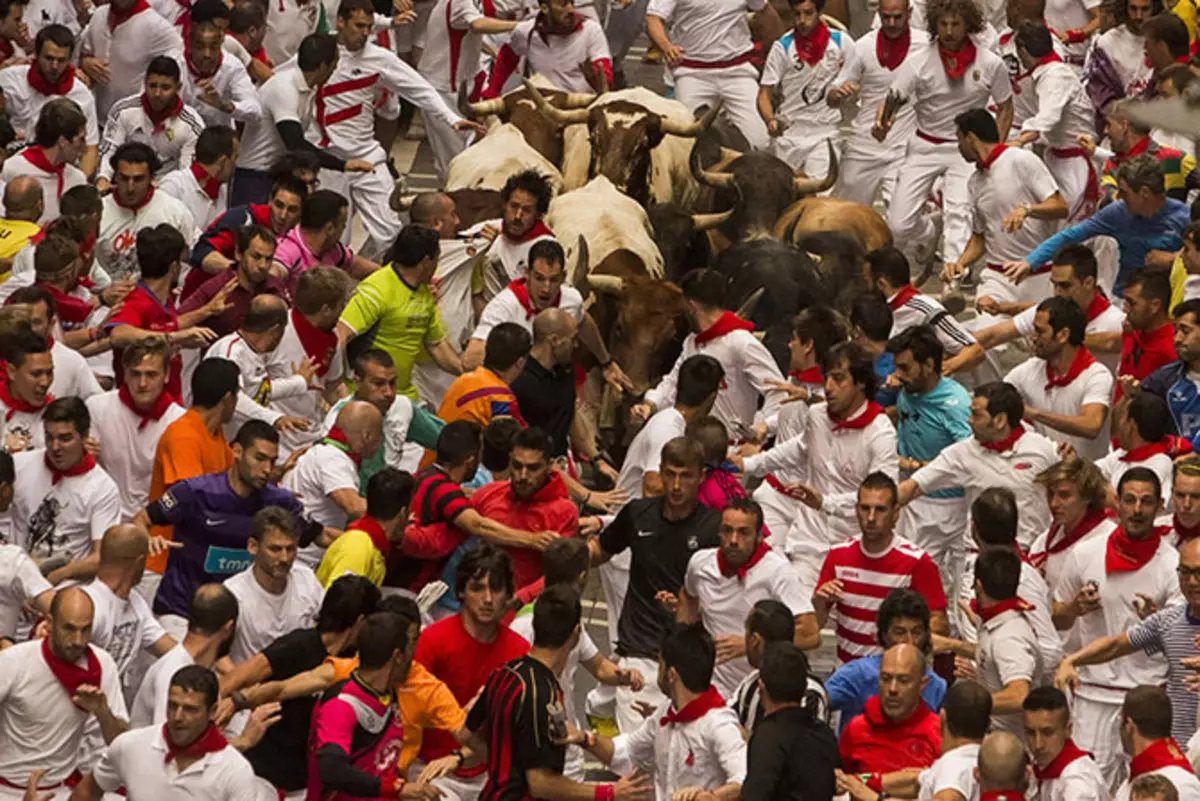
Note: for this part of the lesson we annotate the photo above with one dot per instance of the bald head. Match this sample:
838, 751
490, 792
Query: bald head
434, 210
71, 614
123, 544
23, 198
1189, 553
264, 313
1002, 763
362, 423
553, 322
901, 679
904, 658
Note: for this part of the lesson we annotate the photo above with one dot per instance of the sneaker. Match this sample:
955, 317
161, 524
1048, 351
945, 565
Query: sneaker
605, 727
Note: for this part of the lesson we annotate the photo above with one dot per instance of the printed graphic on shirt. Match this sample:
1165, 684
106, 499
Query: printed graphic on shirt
43, 529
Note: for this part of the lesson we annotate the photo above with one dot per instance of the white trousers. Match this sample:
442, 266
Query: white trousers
456, 788
778, 513
614, 581
737, 86
805, 150
867, 171
444, 141
1096, 727
925, 162
369, 193
1072, 174
935, 525
628, 717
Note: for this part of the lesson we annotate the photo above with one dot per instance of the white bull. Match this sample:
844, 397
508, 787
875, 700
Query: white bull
609, 221
492, 160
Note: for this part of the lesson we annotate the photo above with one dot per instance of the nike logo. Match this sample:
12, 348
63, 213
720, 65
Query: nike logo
645, 533
210, 522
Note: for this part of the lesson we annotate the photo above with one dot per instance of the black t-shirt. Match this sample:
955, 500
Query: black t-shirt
660, 550
547, 399
791, 757
520, 714
285, 744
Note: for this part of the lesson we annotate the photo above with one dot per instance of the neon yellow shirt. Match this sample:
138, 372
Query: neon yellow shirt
14, 235
1186, 11
353, 552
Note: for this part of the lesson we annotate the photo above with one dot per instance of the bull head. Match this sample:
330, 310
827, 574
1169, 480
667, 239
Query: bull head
575, 114
586, 283
498, 105
803, 185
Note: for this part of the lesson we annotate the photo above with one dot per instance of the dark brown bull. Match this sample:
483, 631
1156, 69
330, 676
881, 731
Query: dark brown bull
518, 108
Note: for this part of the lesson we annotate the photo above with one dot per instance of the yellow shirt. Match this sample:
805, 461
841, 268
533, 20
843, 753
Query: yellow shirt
353, 552
14, 235
1178, 276
1186, 11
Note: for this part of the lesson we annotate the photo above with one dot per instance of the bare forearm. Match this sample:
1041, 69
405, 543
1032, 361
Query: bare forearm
110, 725
1010, 699
589, 336
966, 359
1103, 650
79, 569
657, 32
1104, 342
1077, 425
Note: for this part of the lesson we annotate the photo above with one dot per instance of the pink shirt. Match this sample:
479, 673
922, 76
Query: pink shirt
294, 254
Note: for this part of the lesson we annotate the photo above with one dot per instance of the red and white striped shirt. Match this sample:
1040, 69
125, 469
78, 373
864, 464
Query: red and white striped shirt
866, 581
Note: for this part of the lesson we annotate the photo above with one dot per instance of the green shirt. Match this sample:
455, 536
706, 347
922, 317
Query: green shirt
397, 318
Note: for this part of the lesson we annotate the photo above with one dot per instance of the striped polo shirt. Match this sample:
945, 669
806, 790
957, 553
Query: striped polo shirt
1172, 631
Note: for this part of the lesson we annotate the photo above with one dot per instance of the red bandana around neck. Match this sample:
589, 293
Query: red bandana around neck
39, 84
957, 62
116, 196
158, 119
154, 413
373, 529
260, 55
891, 52
1000, 446
73, 311
860, 421
1069, 754
321, 346
729, 571
1143, 452
1099, 305
15, 404
85, 465
539, 229
1125, 554
36, 156
903, 295
70, 675
1049, 58
996, 152
1000, 607
208, 184
337, 438
520, 288
695, 709
1056, 544
1138, 148
727, 323
811, 375
1082, 361
1159, 754
116, 17
810, 49
210, 742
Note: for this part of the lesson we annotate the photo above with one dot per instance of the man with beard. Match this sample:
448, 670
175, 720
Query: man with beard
526, 199
1116, 65
250, 275
217, 87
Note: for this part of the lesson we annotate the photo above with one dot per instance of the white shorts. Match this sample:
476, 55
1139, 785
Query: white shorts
457, 788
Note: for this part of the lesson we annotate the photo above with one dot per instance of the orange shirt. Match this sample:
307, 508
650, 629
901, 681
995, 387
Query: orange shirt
185, 450
478, 395
424, 700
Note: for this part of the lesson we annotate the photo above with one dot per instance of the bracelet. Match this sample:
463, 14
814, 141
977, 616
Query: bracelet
239, 700
604, 792
458, 752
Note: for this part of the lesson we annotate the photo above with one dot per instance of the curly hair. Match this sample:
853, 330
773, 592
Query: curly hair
967, 9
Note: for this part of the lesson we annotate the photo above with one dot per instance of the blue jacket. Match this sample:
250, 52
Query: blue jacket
855, 682
1171, 383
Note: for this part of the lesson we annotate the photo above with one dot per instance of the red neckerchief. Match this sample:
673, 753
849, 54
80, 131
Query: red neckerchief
85, 465
1002, 445
208, 184
116, 196
1139, 147
210, 742
1049, 58
727, 323
72, 311
729, 571
156, 410
1125, 554
337, 438
811, 375
116, 17
539, 229
1091, 519
1069, 753
1143, 452
1000, 607
1001, 795
36, 156
695, 709
810, 49
903, 295
956, 62
320, 346
891, 52
1099, 305
1159, 754
1184, 533
184, 20
260, 55
540, 26
373, 529
15, 404
197, 74
520, 288
1183, 59
863, 420
873, 711
40, 85
987, 163
159, 119
1082, 361
70, 675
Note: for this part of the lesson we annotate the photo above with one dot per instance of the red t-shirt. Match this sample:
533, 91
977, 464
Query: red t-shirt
143, 310
871, 743
464, 664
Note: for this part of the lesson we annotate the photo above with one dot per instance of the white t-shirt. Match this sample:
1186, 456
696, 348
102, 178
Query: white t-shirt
321, 471
645, 452
122, 626
1017, 177
1008, 651
150, 705
1093, 386
802, 86
862, 66
72, 375
953, 770
64, 518
126, 448
505, 308
937, 99
264, 617
708, 30
116, 244
1113, 466
285, 97
1109, 320
52, 187
557, 57
181, 184
128, 49
24, 103
20, 581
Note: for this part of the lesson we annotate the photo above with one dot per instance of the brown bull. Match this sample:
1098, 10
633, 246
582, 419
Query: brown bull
816, 215
518, 108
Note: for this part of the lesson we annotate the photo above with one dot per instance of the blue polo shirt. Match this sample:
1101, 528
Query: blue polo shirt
213, 524
927, 424
853, 684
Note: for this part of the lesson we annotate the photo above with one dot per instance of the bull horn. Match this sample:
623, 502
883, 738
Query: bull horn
747, 308
402, 202
555, 115
611, 284
817, 258
582, 258
803, 185
695, 127
575, 100
717, 179
705, 222
482, 108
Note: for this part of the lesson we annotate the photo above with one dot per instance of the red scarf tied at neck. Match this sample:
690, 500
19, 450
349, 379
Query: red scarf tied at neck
1125, 554
957, 62
539, 229
39, 84
70, 675
136, 208
727, 323
729, 571
811, 375
1002, 795
810, 48
210, 742
996, 152
1049, 58
36, 156
373, 529
1057, 542
1098, 306
891, 52
83, 466
197, 75
154, 413
857, 422
520, 288
1000, 446
1159, 754
1082, 361
337, 438
1069, 754
1000, 607
208, 184
1143, 452
116, 17
695, 709
320, 346
158, 119
15, 404
903, 295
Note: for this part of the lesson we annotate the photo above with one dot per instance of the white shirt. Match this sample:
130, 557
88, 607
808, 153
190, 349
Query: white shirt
1108, 682
1186, 783
122, 626
803, 108
175, 144
284, 97
1113, 466
127, 447
52, 188
1055, 561
40, 13
39, 725
1034, 590
749, 367
1081, 780
1125, 50
258, 389
321, 471
953, 770
150, 705
136, 760
921, 309
72, 375
937, 99
1064, 111
395, 427
1111, 320
24, 103
21, 422
450, 21
1093, 386
128, 50
645, 452
233, 85
264, 617
1008, 651
726, 600
20, 581
280, 361
874, 80
708, 752
116, 244
182, 185
707, 30
505, 308
1069, 15
288, 22
1017, 177
557, 57
505, 255
969, 465
63, 518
